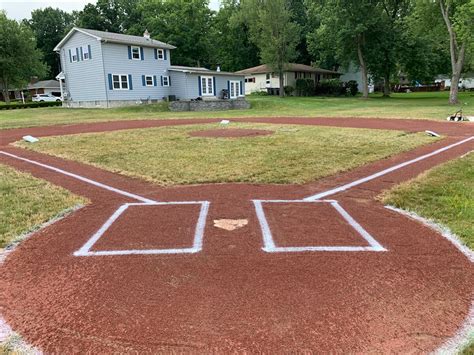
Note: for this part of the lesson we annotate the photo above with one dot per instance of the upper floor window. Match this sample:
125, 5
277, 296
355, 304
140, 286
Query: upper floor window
120, 82
160, 53
86, 53
136, 53
75, 55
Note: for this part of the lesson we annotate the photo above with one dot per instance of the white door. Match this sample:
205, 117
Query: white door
234, 89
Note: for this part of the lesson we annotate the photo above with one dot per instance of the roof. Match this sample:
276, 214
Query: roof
200, 70
265, 68
116, 38
43, 84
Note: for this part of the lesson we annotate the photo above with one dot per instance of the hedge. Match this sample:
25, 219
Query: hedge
30, 105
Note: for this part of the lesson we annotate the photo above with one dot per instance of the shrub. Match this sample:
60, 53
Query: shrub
30, 105
259, 93
289, 90
352, 87
305, 87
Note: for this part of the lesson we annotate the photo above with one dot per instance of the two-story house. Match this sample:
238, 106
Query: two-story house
104, 69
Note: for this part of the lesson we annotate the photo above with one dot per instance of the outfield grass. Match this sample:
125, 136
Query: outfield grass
27, 202
444, 194
414, 105
168, 155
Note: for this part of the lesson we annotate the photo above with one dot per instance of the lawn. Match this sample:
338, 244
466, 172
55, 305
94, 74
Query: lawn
28, 202
414, 105
444, 194
168, 155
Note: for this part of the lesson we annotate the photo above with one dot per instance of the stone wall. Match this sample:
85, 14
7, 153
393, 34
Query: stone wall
209, 105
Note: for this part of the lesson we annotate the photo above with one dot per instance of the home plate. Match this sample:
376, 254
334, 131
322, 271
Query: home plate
230, 224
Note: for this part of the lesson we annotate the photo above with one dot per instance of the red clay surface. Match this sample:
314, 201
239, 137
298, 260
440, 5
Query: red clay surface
231, 133
232, 296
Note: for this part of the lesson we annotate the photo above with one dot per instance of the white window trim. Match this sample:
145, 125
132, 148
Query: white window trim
120, 81
152, 81
158, 51
139, 52
85, 50
235, 86
167, 77
212, 86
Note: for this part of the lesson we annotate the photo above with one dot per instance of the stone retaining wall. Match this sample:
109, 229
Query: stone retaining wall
209, 105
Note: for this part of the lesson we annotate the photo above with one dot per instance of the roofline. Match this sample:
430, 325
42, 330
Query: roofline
204, 72
312, 70
69, 34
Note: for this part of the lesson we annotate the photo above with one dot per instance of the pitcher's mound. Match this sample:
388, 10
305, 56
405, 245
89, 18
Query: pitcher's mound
231, 133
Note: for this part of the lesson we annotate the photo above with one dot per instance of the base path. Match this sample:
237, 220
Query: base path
320, 267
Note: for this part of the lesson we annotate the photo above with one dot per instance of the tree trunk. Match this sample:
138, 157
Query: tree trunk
363, 68
5, 92
386, 86
282, 83
453, 92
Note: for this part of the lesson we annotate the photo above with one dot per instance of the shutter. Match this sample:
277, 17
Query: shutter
241, 88
154, 80
110, 82
70, 56
199, 85
161, 80
228, 89
77, 54
129, 52
169, 80
156, 53
82, 54
143, 80
90, 52
214, 85
130, 84
165, 54
141, 53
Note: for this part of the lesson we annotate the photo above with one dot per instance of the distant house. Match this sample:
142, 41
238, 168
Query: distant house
104, 69
353, 72
44, 87
263, 78
465, 82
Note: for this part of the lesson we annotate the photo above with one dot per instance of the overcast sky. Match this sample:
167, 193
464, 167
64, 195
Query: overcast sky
20, 9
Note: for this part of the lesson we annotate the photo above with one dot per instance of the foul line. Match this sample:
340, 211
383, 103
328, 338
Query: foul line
81, 178
383, 172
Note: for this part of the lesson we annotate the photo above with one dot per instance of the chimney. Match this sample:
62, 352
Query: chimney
146, 34
218, 68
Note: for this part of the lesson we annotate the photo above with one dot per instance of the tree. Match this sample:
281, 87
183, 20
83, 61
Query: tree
19, 57
229, 38
50, 26
272, 30
343, 33
458, 16
183, 23
299, 15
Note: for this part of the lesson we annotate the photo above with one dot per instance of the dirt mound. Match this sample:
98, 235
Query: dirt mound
231, 133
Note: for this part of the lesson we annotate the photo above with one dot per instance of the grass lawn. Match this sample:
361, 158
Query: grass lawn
168, 155
414, 105
444, 194
27, 202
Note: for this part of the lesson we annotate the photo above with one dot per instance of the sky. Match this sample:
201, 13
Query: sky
20, 9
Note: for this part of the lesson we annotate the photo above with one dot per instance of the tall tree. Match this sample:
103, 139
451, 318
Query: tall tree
19, 57
458, 16
273, 31
183, 23
49, 26
230, 41
300, 16
343, 33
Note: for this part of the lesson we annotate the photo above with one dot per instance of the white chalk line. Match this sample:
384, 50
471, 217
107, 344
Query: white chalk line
466, 331
383, 172
270, 246
81, 178
85, 250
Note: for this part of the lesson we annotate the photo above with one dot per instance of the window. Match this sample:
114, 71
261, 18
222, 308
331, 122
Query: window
148, 80
160, 54
166, 81
268, 81
120, 82
75, 56
136, 53
250, 80
234, 89
85, 53
207, 85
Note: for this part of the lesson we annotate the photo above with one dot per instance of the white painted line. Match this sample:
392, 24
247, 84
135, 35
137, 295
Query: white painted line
85, 250
384, 172
269, 245
81, 178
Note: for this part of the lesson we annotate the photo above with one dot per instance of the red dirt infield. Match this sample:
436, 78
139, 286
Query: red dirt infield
230, 133
231, 296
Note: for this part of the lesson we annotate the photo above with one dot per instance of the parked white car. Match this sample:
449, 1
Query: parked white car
46, 98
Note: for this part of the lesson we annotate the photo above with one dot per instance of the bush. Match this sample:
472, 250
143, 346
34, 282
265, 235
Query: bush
332, 87
352, 87
305, 87
289, 90
259, 93
30, 105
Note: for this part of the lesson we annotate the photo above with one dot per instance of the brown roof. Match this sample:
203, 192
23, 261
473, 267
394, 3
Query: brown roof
265, 68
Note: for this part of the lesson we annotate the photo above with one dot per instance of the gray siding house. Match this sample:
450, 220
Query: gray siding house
104, 69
